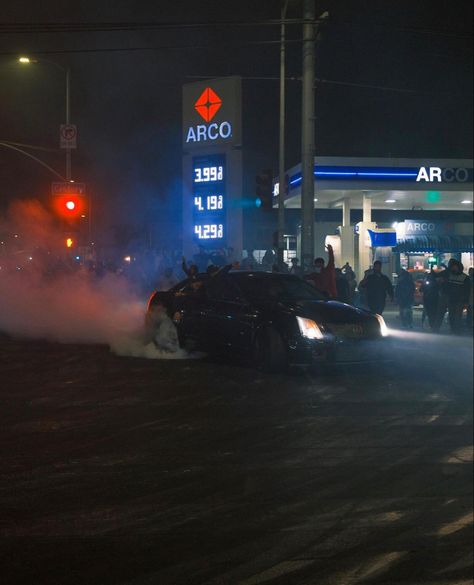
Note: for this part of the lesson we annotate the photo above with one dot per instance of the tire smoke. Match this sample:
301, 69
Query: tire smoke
46, 294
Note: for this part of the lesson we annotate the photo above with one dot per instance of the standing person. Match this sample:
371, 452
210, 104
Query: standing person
190, 272
218, 258
377, 287
350, 276
295, 268
249, 262
269, 259
347, 270
405, 296
201, 259
430, 290
363, 291
324, 277
342, 286
454, 295
168, 280
469, 304
230, 255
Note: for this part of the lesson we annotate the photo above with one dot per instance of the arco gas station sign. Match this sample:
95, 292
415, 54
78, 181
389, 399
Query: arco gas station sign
212, 164
444, 175
211, 113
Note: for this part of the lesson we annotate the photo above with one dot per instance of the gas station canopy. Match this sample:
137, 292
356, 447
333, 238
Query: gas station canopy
411, 184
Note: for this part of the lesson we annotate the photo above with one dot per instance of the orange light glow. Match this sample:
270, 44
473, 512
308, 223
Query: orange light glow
69, 242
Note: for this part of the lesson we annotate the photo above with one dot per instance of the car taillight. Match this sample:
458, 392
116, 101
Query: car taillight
151, 304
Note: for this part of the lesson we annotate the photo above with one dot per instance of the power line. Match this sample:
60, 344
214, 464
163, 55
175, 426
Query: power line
30, 146
31, 156
163, 48
54, 27
386, 87
124, 26
337, 82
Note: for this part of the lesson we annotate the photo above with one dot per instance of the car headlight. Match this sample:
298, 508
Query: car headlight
309, 328
383, 325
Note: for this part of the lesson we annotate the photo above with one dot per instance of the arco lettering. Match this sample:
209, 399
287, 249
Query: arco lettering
214, 131
439, 175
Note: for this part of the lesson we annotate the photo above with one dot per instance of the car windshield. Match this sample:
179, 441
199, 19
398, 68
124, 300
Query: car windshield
286, 288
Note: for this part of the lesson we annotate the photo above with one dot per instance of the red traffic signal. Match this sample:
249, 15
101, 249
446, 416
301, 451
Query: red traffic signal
70, 206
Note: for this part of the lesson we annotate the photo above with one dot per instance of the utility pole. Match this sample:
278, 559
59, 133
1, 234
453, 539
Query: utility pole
307, 135
281, 154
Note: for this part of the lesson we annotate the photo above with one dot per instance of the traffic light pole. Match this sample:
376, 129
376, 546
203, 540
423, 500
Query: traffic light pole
281, 154
68, 120
307, 136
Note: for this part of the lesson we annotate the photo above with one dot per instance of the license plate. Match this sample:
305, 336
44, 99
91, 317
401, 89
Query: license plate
349, 330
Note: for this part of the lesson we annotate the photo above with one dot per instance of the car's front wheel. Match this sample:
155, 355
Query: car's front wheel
269, 351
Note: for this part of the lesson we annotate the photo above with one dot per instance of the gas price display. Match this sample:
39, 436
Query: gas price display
208, 174
208, 202
209, 198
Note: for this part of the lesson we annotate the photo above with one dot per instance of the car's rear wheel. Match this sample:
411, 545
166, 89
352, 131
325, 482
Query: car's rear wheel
161, 330
269, 352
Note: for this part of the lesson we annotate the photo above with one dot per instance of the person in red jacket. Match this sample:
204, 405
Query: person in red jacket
324, 277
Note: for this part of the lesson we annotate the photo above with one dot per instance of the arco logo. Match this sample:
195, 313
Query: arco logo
208, 104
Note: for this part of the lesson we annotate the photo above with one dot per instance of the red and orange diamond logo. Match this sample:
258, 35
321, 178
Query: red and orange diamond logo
208, 104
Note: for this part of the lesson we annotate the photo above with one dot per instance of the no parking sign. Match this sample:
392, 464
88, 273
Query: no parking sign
68, 136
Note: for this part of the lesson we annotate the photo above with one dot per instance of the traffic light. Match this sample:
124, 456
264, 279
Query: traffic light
70, 206
264, 189
69, 242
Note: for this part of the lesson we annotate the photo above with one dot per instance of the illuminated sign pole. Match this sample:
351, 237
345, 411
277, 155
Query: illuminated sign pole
212, 165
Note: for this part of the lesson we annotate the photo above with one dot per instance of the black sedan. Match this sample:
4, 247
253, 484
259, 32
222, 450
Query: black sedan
273, 319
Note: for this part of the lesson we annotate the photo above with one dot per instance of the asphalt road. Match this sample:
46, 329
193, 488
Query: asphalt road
139, 472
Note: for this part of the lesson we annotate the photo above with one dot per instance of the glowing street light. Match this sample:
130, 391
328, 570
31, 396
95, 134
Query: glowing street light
26, 61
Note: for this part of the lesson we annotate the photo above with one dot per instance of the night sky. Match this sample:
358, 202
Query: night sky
127, 103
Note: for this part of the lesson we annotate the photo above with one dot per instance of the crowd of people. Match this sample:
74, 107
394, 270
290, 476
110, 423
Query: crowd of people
445, 291
448, 290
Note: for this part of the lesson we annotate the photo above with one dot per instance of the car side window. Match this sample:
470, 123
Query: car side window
221, 289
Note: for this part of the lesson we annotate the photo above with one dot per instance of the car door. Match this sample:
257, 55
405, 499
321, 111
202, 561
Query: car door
188, 313
229, 318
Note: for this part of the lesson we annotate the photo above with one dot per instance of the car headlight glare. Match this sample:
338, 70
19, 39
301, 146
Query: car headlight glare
309, 328
383, 325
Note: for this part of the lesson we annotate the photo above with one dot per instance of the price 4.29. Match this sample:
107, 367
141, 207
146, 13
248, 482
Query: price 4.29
209, 231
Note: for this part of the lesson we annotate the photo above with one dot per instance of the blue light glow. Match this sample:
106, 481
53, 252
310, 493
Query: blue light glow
387, 174
336, 173
333, 172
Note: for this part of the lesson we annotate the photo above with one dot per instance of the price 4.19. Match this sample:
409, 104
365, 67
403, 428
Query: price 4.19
208, 202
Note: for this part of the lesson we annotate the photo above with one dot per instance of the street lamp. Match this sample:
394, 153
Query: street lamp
24, 60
